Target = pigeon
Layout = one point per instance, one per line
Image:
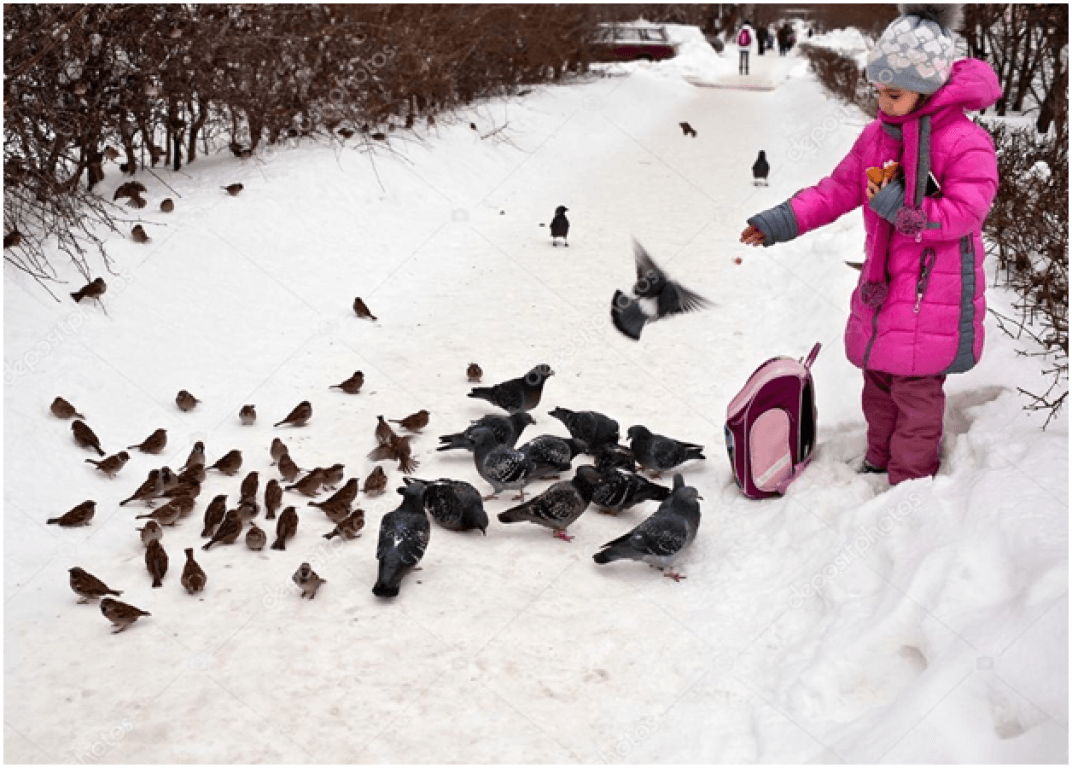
(474, 373)
(352, 385)
(415, 422)
(61, 409)
(504, 468)
(403, 539)
(454, 504)
(760, 169)
(196, 457)
(665, 297)
(247, 414)
(120, 614)
(89, 587)
(560, 226)
(233, 189)
(559, 505)
(92, 290)
(307, 580)
(350, 527)
(84, 436)
(361, 310)
(193, 575)
(661, 538)
(301, 414)
(228, 530)
(154, 443)
(148, 490)
(229, 463)
(111, 465)
(80, 515)
(256, 538)
(613, 456)
(285, 528)
(278, 449)
(618, 489)
(156, 561)
(376, 482)
(186, 401)
(591, 428)
(507, 430)
(214, 514)
(658, 453)
(139, 235)
(687, 130)
(151, 531)
(273, 498)
(167, 205)
(521, 394)
(551, 454)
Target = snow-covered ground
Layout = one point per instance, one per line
(847, 621)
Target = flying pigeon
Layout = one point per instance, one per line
(665, 297)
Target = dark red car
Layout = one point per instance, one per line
(632, 43)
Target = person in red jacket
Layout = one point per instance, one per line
(917, 312)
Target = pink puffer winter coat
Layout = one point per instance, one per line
(919, 307)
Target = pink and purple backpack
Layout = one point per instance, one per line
(771, 426)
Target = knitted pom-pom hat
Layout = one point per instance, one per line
(916, 51)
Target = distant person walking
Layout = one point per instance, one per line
(746, 40)
(783, 39)
(761, 39)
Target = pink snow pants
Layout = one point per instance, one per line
(904, 423)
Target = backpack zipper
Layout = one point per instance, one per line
(926, 264)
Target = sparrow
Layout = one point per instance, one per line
(507, 429)
(350, 527)
(520, 394)
(335, 509)
(120, 614)
(138, 233)
(228, 530)
(278, 449)
(285, 528)
(80, 515)
(196, 457)
(247, 415)
(332, 476)
(193, 575)
(660, 539)
(346, 133)
(591, 428)
(154, 443)
(344, 495)
(301, 413)
(92, 290)
(310, 484)
(233, 189)
(760, 169)
(667, 296)
(229, 463)
(361, 309)
(250, 485)
(248, 508)
(185, 400)
(403, 539)
(658, 453)
(111, 153)
(61, 409)
(192, 475)
(559, 505)
(376, 482)
(384, 434)
(256, 538)
(273, 498)
(474, 373)
(398, 449)
(288, 470)
(352, 385)
(156, 561)
(454, 504)
(619, 489)
(504, 468)
(130, 190)
(167, 205)
(111, 465)
(84, 436)
(214, 513)
(168, 514)
(307, 580)
(151, 531)
(148, 489)
(89, 587)
(687, 130)
(188, 488)
(415, 422)
(560, 226)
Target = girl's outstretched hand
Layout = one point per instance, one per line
(752, 236)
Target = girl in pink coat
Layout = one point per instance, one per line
(917, 313)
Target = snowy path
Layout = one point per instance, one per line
(846, 621)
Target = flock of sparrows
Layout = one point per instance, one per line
(612, 483)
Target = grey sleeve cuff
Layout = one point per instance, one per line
(778, 224)
(888, 200)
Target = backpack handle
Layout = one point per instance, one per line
(812, 355)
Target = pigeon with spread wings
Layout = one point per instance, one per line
(663, 297)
